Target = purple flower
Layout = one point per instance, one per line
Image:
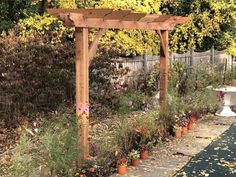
(147, 107)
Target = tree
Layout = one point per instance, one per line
(131, 42)
(67, 4)
(212, 23)
(42, 6)
(11, 11)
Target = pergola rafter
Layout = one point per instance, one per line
(103, 19)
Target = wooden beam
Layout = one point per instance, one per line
(162, 18)
(94, 45)
(117, 24)
(82, 92)
(117, 15)
(149, 18)
(162, 43)
(178, 19)
(108, 18)
(133, 17)
(87, 13)
(164, 64)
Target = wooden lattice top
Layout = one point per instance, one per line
(117, 19)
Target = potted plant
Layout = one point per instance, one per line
(178, 131)
(122, 165)
(185, 126)
(191, 125)
(135, 157)
(192, 120)
(192, 117)
(143, 151)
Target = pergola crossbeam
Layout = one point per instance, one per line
(79, 21)
(117, 15)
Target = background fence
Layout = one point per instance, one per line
(218, 58)
(142, 64)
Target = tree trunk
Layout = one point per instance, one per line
(43, 6)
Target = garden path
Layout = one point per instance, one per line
(170, 157)
(217, 160)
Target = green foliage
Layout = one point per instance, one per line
(134, 154)
(148, 6)
(152, 79)
(212, 23)
(124, 136)
(202, 101)
(131, 42)
(104, 75)
(67, 4)
(49, 152)
(184, 80)
(178, 78)
(232, 49)
(104, 145)
(87, 3)
(12, 11)
(132, 100)
(46, 27)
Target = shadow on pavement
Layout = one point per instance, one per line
(217, 160)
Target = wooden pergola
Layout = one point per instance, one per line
(103, 19)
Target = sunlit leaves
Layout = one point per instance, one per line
(212, 24)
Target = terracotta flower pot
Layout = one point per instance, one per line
(184, 130)
(144, 154)
(191, 125)
(121, 169)
(193, 119)
(135, 162)
(178, 133)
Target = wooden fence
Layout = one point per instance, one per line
(140, 65)
(144, 63)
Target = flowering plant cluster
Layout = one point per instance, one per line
(185, 123)
(145, 105)
(134, 154)
(179, 117)
(177, 128)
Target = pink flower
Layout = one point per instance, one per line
(130, 103)
(84, 108)
(118, 87)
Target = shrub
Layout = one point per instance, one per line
(49, 152)
(103, 146)
(131, 100)
(34, 77)
(48, 29)
(105, 74)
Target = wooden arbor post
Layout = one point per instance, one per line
(82, 90)
(83, 56)
(164, 64)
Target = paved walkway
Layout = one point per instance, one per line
(217, 160)
(169, 158)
